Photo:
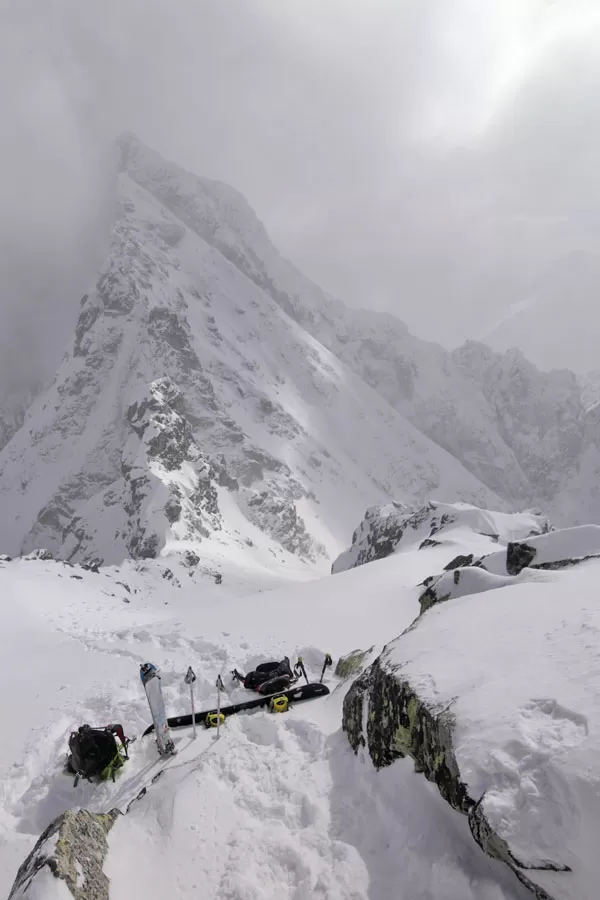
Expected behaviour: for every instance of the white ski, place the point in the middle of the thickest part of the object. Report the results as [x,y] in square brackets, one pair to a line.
[151,680]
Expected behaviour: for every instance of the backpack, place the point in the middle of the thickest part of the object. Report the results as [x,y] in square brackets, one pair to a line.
[269,677]
[95,752]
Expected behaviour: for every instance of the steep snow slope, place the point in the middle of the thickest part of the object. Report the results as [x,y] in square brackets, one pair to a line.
[270,809]
[519,430]
[192,408]
[417,378]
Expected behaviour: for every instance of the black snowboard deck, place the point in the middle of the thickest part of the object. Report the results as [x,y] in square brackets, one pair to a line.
[294,695]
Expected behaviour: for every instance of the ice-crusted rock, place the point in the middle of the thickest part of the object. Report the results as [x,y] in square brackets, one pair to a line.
[73,849]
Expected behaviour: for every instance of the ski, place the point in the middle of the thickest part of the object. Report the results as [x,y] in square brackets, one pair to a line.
[151,681]
[293,695]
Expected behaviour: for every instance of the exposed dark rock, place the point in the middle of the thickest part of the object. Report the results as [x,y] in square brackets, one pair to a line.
[518,557]
[565,563]
[400,724]
[117,292]
[173,505]
[166,325]
[429,542]
[382,530]
[430,596]
[459,561]
[73,848]
[190,558]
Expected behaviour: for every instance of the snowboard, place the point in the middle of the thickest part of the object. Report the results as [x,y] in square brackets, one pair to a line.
[151,681]
[294,695]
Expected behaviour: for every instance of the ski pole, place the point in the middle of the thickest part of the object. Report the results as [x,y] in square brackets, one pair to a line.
[300,665]
[220,687]
[327,662]
[190,678]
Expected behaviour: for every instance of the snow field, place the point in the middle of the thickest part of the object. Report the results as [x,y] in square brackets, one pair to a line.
[279,806]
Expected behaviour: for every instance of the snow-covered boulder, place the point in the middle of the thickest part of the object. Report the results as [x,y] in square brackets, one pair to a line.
[398,527]
[554,550]
[496,697]
[72,849]
[459,583]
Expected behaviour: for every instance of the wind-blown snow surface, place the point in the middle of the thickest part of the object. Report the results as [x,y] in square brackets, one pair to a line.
[279,807]
[526,701]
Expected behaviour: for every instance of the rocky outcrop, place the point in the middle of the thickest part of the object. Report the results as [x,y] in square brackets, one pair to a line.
[166,475]
[385,717]
[278,517]
[388,529]
[382,530]
[351,664]
[73,849]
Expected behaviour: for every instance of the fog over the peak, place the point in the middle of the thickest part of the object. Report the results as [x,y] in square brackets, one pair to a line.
[436,158]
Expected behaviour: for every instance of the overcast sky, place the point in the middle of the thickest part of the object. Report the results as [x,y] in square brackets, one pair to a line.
[430,157]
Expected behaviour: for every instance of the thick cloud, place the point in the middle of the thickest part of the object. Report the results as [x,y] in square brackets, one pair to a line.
[427,157]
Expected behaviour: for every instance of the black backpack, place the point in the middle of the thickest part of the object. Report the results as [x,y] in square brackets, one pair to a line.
[269,677]
[94,752]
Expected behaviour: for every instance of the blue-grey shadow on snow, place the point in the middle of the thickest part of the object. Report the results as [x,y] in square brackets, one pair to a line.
[413,845]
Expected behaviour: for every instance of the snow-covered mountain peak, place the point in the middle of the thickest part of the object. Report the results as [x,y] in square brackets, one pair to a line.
[214,210]
[192,408]
[303,412]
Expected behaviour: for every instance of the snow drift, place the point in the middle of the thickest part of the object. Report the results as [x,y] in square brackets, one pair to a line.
[494,694]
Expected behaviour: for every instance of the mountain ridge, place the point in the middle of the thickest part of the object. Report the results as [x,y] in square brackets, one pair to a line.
[290,410]
[187,388]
